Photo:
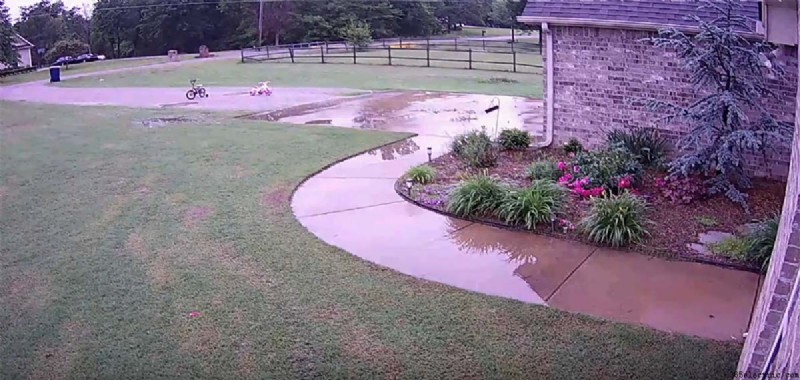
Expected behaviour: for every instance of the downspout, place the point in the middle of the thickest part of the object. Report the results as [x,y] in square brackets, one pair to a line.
[548,135]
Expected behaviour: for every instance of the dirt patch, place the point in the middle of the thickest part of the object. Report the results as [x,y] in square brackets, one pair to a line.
[365,347]
[275,198]
[28,293]
[675,224]
[177,199]
[135,246]
[55,361]
[201,338]
[196,215]
[331,313]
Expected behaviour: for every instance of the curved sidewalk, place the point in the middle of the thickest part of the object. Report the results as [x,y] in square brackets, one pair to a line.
[353,205]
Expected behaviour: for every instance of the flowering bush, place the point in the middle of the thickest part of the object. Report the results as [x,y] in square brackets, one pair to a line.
[683,190]
[608,168]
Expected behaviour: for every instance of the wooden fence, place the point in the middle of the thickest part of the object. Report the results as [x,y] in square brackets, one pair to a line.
[468,54]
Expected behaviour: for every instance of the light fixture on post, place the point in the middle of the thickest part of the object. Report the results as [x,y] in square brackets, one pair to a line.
[430,153]
[409,185]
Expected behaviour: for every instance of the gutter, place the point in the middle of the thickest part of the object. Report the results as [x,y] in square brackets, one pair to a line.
[548,136]
[614,24]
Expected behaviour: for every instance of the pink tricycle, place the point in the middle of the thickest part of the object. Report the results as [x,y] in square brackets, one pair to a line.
[261,89]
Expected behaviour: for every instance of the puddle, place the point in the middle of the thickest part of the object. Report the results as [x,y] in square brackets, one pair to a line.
[160,122]
[398,149]
[426,113]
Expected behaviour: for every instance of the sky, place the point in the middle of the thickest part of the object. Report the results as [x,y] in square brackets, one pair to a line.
[13,5]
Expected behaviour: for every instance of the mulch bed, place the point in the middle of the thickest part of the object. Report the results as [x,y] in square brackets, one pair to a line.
[674,225]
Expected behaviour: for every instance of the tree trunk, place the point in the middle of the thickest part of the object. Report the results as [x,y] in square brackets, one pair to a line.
[277,39]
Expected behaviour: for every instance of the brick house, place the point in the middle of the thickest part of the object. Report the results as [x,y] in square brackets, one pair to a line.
[600,74]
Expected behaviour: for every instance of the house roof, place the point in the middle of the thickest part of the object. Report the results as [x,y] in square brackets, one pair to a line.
[633,14]
[20,43]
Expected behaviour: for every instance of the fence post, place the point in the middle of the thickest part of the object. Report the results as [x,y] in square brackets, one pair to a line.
[322,53]
[401,42]
[242,55]
[267,51]
[514,54]
[455,40]
[540,41]
[470,59]
[484,45]
[354,54]
[291,54]
[390,54]
[327,48]
[428,54]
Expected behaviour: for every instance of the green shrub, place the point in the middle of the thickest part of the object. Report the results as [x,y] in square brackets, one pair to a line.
[539,203]
[616,220]
[475,148]
[755,247]
[544,169]
[762,240]
[573,146]
[422,174]
[734,248]
[514,139]
[706,221]
[646,143]
[478,196]
[606,167]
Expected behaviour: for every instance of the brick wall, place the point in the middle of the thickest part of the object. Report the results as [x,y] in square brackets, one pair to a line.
[773,341]
[603,79]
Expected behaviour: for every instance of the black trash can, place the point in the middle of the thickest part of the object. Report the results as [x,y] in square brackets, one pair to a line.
[55,74]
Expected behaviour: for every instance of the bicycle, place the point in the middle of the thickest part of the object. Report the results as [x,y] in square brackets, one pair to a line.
[196,90]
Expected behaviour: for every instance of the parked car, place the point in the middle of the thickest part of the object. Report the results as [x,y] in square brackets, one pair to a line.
[86,58]
[65,60]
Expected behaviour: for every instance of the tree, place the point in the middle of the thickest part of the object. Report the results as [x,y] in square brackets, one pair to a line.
[357,33]
[729,120]
[8,56]
[66,48]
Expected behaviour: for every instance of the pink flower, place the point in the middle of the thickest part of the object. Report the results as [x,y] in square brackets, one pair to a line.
[584,181]
[661,182]
[576,168]
[596,192]
[624,182]
[193,314]
[562,166]
[572,155]
[565,179]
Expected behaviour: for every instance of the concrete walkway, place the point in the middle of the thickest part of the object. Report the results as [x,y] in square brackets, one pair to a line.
[371,221]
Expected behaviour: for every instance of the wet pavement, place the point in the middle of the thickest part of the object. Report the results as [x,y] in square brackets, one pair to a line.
[428,113]
[372,222]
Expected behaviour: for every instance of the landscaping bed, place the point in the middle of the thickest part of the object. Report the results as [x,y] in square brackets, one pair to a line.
[672,226]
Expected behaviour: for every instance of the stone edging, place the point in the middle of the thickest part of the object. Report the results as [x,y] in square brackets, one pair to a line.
[399,189]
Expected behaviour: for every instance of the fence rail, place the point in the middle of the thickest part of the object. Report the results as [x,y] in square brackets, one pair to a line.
[450,53]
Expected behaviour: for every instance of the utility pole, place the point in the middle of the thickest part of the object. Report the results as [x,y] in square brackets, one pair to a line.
[260,21]
[87,17]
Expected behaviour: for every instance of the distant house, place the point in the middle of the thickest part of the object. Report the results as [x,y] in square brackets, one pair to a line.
[599,74]
[23,48]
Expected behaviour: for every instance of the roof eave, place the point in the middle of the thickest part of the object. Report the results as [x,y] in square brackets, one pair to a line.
[25,43]
[614,24]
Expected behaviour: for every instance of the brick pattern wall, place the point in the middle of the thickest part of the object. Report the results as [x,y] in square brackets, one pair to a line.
[778,300]
[603,79]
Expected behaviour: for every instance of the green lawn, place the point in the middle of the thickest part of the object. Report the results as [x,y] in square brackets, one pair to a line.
[113,233]
[359,76]
[475,31]
[87,67]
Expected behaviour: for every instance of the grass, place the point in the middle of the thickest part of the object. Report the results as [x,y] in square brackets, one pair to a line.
[87,67]
[364,77]
[475,31]
[112,234]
